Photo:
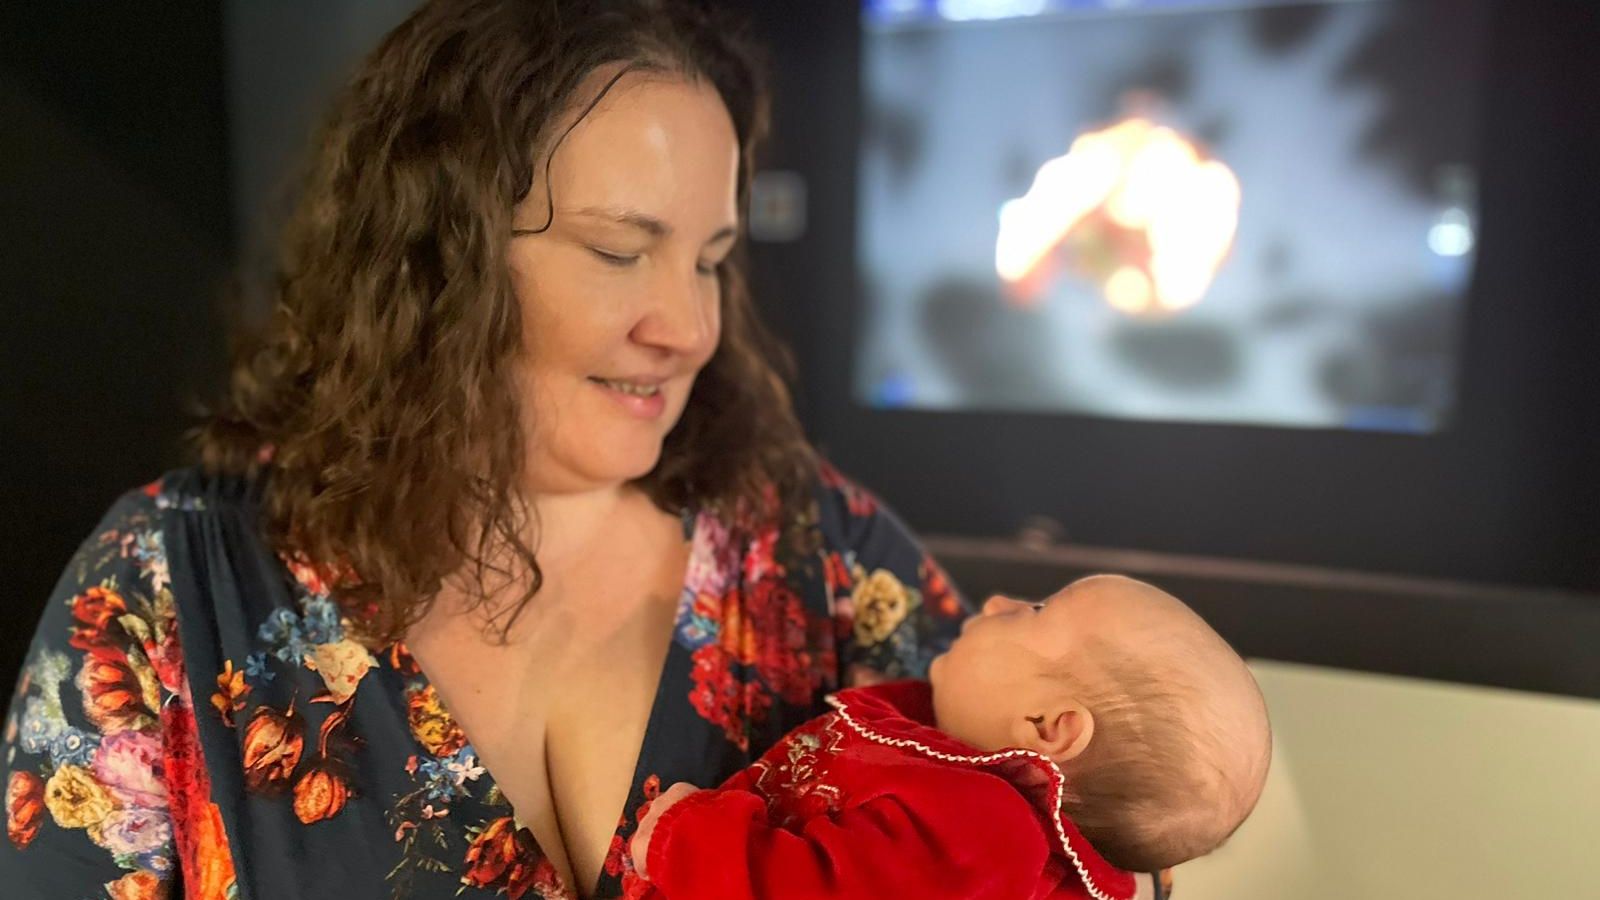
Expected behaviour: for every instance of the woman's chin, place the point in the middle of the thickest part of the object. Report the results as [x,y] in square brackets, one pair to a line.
[581,469]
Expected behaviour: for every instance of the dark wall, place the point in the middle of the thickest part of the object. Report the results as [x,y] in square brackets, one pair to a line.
[114,242]
[276,105]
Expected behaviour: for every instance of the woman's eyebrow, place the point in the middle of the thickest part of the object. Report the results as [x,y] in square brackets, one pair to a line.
[644,222]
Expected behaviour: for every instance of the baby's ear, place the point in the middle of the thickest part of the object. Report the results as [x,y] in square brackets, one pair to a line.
[1061,732]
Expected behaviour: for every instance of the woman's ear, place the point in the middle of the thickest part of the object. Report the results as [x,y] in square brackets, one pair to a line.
[1061,732]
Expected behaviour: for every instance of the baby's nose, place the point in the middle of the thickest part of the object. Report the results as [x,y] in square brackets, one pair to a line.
[997,604]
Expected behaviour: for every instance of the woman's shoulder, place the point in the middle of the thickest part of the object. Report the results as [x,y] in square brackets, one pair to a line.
[135,538]
[849,515]
[197,488]
[192,533]
[130,528]
[901,608]
[185,489]
[862,536]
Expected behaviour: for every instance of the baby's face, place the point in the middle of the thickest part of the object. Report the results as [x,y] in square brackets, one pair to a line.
[1000,657]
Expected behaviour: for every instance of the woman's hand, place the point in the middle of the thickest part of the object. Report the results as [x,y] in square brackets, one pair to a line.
[647,826]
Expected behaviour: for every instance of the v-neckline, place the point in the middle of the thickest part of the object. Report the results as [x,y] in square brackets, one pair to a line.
[693,533]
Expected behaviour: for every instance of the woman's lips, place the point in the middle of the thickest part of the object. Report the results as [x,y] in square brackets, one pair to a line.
[643,406]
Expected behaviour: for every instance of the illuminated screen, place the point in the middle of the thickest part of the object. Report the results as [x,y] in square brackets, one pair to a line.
[1260,213]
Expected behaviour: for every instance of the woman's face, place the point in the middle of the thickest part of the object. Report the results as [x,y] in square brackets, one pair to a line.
[620,299]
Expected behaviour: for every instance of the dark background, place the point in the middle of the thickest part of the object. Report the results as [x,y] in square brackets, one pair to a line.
[142,152]
[115,243]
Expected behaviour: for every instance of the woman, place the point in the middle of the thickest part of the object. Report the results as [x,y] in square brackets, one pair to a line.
[506,508]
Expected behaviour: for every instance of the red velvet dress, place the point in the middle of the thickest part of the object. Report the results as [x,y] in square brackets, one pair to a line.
[872,801]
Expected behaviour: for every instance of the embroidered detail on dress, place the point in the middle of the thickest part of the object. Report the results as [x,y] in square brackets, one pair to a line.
[797,788]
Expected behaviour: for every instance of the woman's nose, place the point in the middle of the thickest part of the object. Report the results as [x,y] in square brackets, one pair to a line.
[683,317]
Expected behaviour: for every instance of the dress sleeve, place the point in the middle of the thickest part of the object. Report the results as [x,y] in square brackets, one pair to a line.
[894,607]
[942,833]
[86,807]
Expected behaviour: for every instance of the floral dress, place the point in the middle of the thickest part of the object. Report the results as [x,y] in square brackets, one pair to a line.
[196,719]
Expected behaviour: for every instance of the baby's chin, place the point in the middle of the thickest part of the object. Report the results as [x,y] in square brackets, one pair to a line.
[935,671]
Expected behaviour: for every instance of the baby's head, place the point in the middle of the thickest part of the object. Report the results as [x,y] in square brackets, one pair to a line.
[1157,723]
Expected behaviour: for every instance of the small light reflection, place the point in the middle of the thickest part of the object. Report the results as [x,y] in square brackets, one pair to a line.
[969,10]
[1452,235]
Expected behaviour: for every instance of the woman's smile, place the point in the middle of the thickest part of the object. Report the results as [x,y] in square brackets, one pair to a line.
[647,400]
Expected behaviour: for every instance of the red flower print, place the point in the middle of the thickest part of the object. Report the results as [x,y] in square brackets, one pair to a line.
[321,792]
[614,855]
[651,790]
[401,660]
[95,610]
[838,574]
[319,577]
[212,860]
[936,591]
[273,742]
[431,724]
[779,633]
[139,885]
[197,822]
[634,887]
[708,606]
[24,808]
[735,638]
[329,733]
[231,691]
[760,561]
[97,606]
[117,696]
[762,625]
[757,703]
[167,658]
[860,503]
[717,694]
[505,859]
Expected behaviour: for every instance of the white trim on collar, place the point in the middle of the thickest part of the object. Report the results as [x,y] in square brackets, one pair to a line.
[1057,780]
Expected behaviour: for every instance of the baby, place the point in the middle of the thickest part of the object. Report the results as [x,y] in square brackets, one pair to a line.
[1056,748]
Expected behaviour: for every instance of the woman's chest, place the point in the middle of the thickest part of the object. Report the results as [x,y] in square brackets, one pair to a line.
[559,714]
[408,784]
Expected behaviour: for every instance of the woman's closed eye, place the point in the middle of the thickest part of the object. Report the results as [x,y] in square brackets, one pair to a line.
[618,260]
[624,260]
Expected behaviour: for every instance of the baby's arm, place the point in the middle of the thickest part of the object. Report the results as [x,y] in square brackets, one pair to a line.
[937,833]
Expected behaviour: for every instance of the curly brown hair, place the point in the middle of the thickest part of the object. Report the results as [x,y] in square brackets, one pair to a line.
[376,401]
